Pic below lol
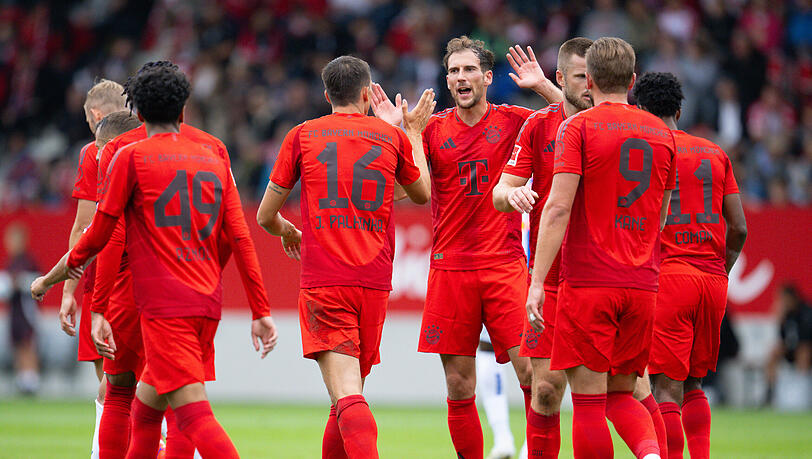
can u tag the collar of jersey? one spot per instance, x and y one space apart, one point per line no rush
491 108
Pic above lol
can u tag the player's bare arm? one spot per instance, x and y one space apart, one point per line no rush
664 208
554 220
271 220
414 123
512 193
529 74
57 274
67 310
733 214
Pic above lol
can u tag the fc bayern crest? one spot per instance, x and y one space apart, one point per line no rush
492 134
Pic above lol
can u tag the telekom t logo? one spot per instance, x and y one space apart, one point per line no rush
472 173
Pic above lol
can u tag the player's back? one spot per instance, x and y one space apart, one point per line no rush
465 161
695 229
625 157
348 164
181 191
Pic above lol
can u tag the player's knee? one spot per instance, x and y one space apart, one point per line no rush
548 394
122 380
693 384
460 386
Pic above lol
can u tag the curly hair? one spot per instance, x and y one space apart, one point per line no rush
659 93
159 91
128 85
455 45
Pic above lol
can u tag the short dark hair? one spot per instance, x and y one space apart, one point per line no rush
455 45
115 124
128 85
610 63
659 93
159 92
574 46
344 77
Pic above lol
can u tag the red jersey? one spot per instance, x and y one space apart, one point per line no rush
348 164
465 163
624 156
180 200
695 229
533 156
85 186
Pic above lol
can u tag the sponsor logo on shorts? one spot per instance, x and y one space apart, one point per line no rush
432 334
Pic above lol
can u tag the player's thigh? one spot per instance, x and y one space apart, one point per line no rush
341 374
634 326
460 375
705 352
503 290
547 379
674 325
586 327
452 316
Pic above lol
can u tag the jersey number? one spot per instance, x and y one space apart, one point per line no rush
180 186
360 173
705 174
642 177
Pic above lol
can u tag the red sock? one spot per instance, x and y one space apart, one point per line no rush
357 427
659 424
197 422
673 429
696 420
332 445
590 433
632 422
178 445
146 431
528 396
543 435
114 429
466 431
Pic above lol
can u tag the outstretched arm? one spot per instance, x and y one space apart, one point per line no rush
529 74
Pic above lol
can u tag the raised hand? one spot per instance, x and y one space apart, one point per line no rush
383 107
415 121
263 330
529 74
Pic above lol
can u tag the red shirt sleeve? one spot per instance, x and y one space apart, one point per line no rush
85 185
287 170
425 136
569 147
108 264
521 111
118 184
244 253
406 172
671 180
93 240
731 187
520 163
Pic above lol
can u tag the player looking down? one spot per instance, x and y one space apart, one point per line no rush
698 251
613 172
172 245
348 163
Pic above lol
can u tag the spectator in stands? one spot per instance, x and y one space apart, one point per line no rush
795 344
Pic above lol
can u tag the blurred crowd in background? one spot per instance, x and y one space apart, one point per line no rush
745 66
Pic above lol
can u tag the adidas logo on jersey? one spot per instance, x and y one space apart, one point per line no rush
448 144
550 147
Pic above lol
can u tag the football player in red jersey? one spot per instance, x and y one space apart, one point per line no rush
103 98
533 156
698 250
173 247
612 179
478 270
349 164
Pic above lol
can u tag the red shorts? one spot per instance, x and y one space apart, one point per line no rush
539 345
606 329
687 320
343 319
459 302
87 350
125 322
179 351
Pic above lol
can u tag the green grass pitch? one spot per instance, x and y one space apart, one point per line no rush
57 429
